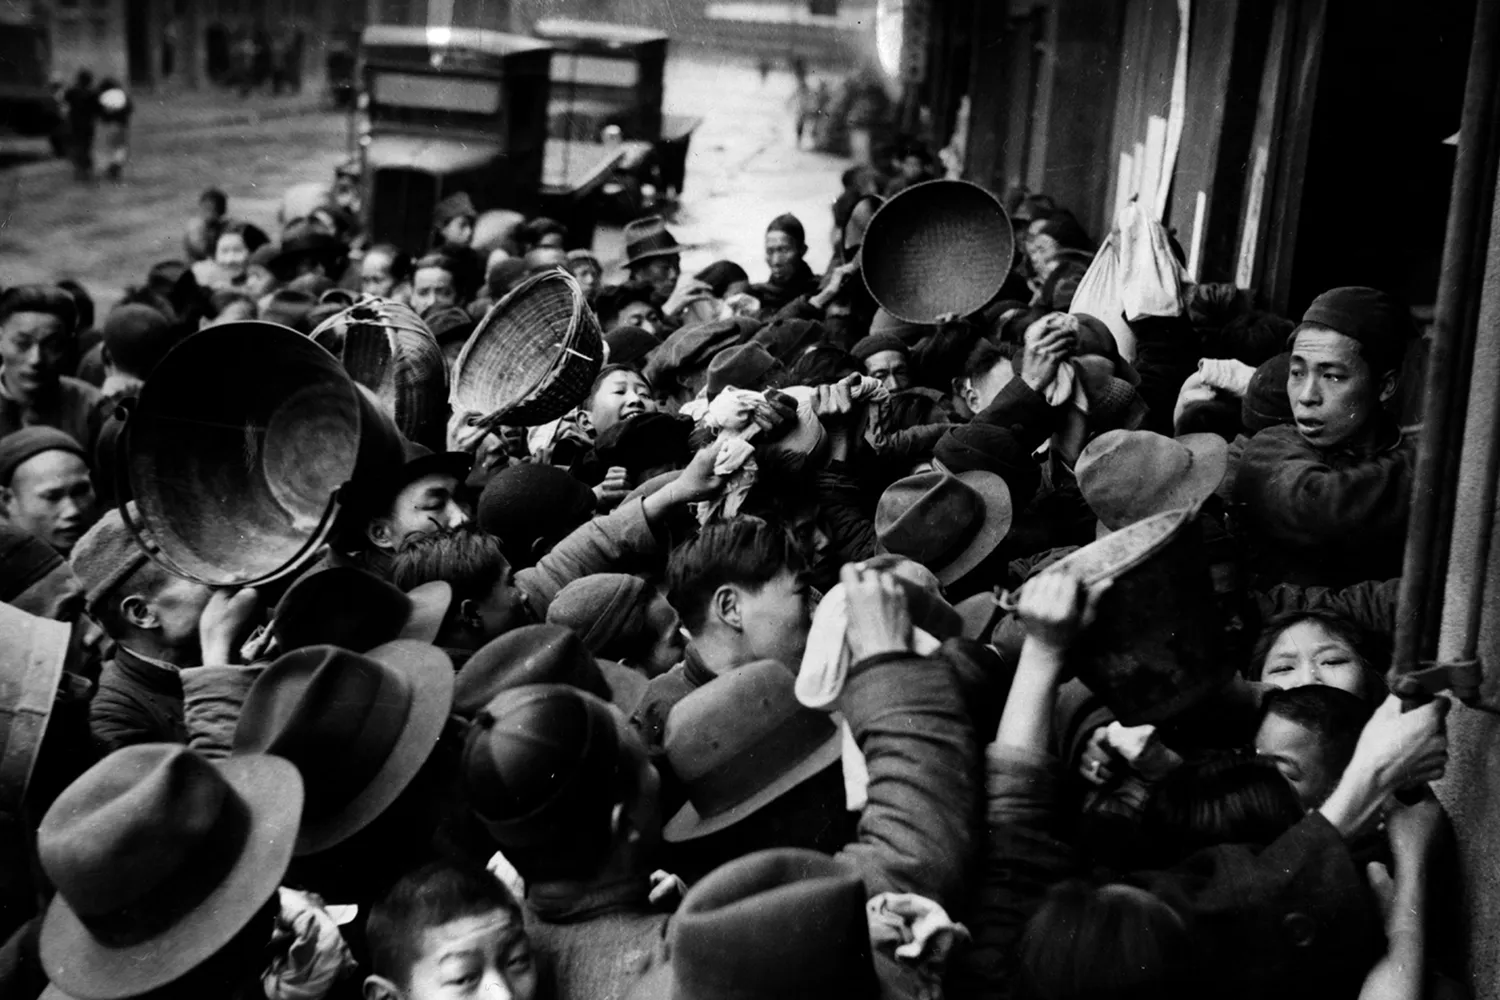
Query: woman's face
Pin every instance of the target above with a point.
(587, 275)
(782, 254)
(1308, 652)
(622, 394)
(231, 254)
(458, 232)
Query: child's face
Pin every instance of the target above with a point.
(487, 957)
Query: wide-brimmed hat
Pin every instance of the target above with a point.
(774, 924)
(356, 610)
(945, 522)
(358, 727)
(739, 743)
(1126, 476)
(532, 654)
(541, 764)
(647, 238)
(982, 447)
(33, 652)
(942, 246)
(160, 858)
(689, 349)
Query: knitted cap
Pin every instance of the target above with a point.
(20, 446)
(106, 556)
(1382, 325)
(601, 608)
(876, 343)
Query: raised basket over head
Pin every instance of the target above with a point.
(386, 348)
(534, 355)
(935, 248)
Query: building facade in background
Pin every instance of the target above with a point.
(154, 44)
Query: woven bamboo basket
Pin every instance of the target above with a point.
(534, 355)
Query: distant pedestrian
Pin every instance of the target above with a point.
(763, 67)
(204, 228)
(115, 109)
(83, 109)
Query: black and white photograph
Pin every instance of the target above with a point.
(749, 500)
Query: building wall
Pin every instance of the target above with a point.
(88, 34)
(1471, 790)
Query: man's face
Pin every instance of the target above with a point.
(1300, 756)
(661, 273)
(782, 254)
(432, 286)
(375, 275)
(776, 618)
(33, 347)
(1308, 652)
(423, 506)
(979, 391)
(178, 606)
(458, 232)
(50, 497)
(641, 314)
(487, 957)
(890, 368)
(587, 276)
(621, 395)
(503, 610)
(1335, 397)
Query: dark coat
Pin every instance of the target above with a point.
(138, 701)
(1321, 518)
(75, 407)
(774, 296)
(1293, 919)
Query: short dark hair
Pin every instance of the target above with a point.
(218, 198)
(1013, 330)
(1212, 416)
(401, 269)
(987, 354)
(611, 300)
(221, 299)
(609, 370)
(47, 299)
(466, 558)
(743, 551)
(1090, 941)
(82, 300)
(1221, 797)
(431, 896)
(791, 225)
(1335, 716)
(823, 364)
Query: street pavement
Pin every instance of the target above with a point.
(743, 170)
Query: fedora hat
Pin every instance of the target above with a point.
(777, 924)
(541, 765)
(357, 610)
(532, 654)
(648, 238)
(358, 727)
(160, 858)
(740, 742)
(363, 496)
(33, 652)
(1126, 476)
(945, 522)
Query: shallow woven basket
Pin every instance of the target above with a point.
(534, 355)
(937, 247)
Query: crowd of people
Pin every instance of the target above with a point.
(813, 652)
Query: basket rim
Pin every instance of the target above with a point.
(927, 189)
(491, 319)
